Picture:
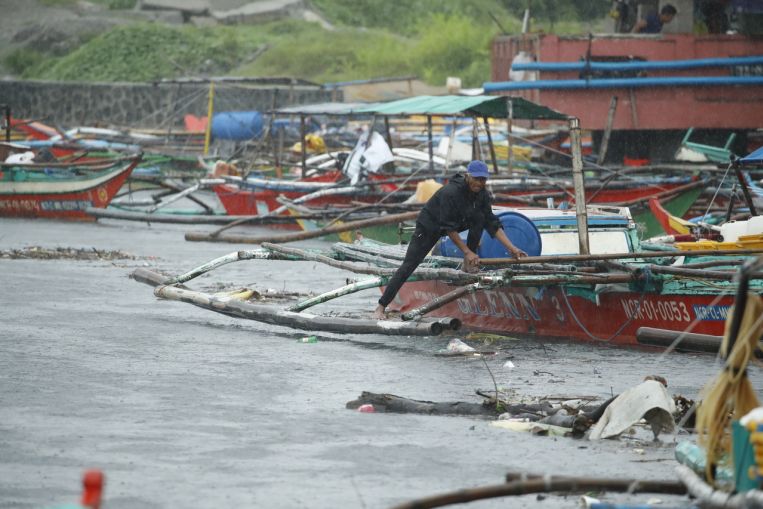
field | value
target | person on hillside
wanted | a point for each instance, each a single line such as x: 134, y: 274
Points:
x: 653, y: 22
x: 462, y: 204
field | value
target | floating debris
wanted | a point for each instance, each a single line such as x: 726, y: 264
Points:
x: 65, y: 253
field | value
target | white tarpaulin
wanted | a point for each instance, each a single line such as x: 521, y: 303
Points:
x: 367, y: 158
x: 648, y: 400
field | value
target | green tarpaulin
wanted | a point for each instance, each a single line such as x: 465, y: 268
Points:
x: 437, y: 105
x: 477, y: 105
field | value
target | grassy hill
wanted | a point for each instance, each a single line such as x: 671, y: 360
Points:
x: 431, y: 39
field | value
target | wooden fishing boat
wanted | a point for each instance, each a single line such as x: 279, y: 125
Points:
x: 61, y: 190
x: 674, y: 291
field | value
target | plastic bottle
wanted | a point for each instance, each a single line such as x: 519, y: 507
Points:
x: 308, y: 339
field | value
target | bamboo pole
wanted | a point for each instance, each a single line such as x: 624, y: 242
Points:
x: 490, y: 144
x: 577, y: 177
x: 619, y: 256
x: 607, y: 130
x: 440, y: 301
x: 689, y: 341
x: 421, y: 273
x: 190, y: 220
x: 339, y: 292
x: 509, y: 125
x: 293, y: 237
x: 308, y: 322
x: 210, y: 111
x: 430, y: 145
x: 303, y: 145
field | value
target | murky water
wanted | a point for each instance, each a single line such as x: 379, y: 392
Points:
x: 183, y: 407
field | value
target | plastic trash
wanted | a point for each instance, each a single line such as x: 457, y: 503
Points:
x: 508, y: 365
x: 368, y: 408
x: 586, y: 501
x: 456, y: 345
x: 308, y: 339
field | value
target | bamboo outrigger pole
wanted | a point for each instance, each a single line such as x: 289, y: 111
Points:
x: 293, y: 237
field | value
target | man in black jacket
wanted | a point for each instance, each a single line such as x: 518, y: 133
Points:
x: 462, y: 204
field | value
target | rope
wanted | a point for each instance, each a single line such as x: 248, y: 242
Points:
x: 717, y: 189
x: 647, y: 279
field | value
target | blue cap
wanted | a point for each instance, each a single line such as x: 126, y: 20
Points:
x: 477, y: 169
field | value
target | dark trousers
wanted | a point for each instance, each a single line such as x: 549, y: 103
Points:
x: 422, y: 241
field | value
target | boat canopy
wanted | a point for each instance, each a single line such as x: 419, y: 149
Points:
x: 436, y: 105
x: 327, y: 108
x: 477, y: 105
x: 754, y: 158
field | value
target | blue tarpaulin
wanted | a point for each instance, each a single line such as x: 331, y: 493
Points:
x: 756, y: 157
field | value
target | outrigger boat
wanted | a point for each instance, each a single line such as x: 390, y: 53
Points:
x: 60, y: 190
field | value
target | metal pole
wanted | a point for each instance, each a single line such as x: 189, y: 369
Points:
x: 430, y: 143
x: 577, y: 180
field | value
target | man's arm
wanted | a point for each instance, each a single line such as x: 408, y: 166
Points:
x: 511, y: 248
x: 471, y: 260
x: 639, y: 26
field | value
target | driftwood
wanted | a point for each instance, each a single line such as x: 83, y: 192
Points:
x: 546, y: 484
x: 396, y: 404
x: 542, y: 412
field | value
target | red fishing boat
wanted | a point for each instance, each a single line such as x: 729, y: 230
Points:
x: 254, y: 196
x: 61, y: 190
x: 676, y: 292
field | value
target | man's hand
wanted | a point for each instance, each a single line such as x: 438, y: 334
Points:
x: 471, y: 262
x: 518, y: 253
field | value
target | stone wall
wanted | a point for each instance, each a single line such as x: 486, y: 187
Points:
x: 144, y: 105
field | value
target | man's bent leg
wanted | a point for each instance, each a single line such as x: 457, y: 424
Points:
x: 422, y: 242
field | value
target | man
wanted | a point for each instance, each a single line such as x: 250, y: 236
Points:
x: 653, y: 22
x: 462, y: 204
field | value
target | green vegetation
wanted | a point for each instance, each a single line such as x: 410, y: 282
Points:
x: 146, y: 52
x: 432, y: 39
x: 111, y: 4
x: 306, y: 50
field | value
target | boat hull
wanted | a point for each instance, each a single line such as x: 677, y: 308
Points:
x: 553, y: 312
x: 64, y: 199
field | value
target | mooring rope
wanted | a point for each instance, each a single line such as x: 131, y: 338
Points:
x: 647, y: 279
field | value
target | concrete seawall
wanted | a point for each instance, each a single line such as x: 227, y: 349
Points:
x: 146, y: 104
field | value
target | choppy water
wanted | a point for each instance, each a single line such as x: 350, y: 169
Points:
x: 183, y: 407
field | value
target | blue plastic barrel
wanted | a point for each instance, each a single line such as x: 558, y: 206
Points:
x: 518, y: 227
x: 237, y: 125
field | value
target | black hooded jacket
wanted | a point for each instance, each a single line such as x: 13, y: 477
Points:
x: 454, y: 207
